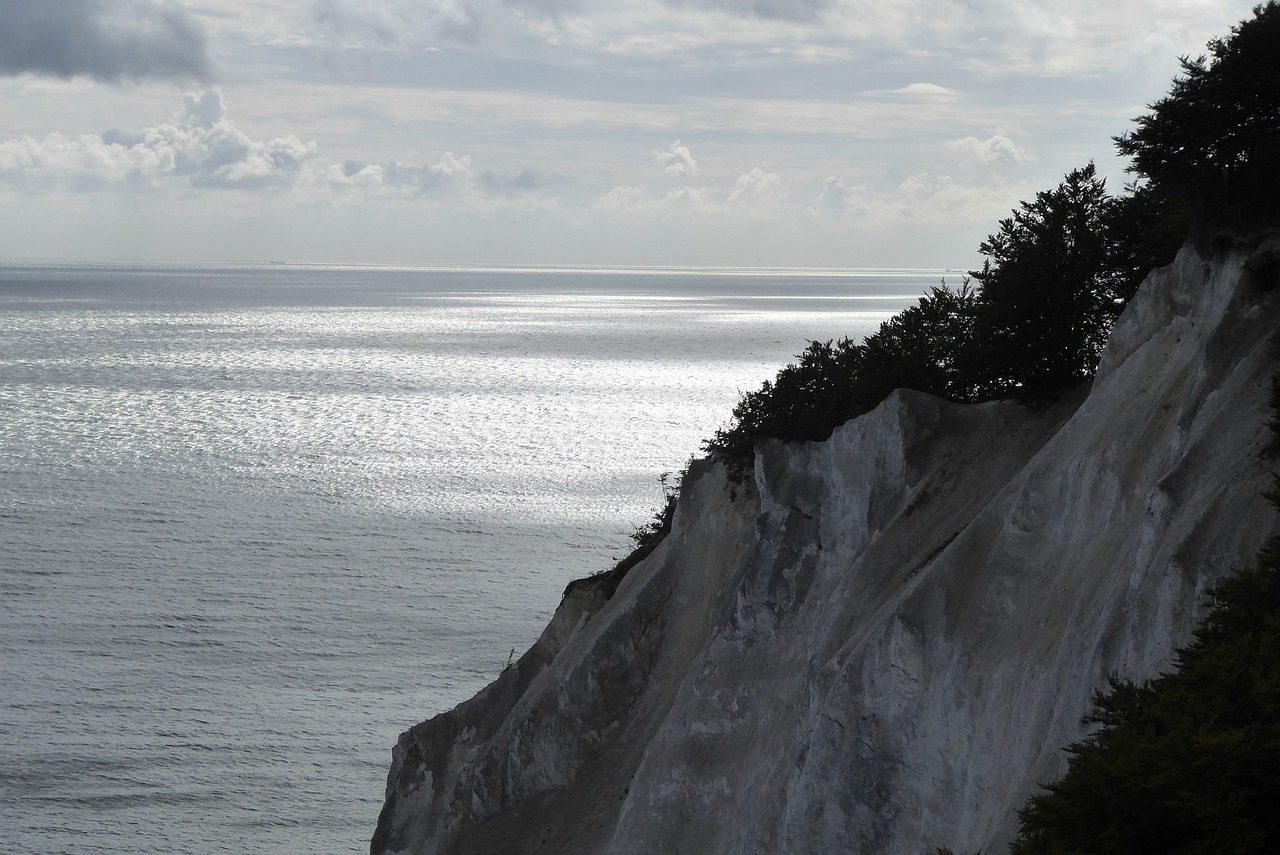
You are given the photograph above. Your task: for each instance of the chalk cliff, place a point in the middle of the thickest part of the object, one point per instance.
(882, 645)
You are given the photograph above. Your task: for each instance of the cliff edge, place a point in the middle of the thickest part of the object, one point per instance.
(883, 644)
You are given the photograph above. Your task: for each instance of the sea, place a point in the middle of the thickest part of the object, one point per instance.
(256, 520)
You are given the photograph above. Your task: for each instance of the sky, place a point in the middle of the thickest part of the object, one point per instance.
(740, 133)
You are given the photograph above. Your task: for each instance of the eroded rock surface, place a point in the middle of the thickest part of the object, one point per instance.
(882, 645)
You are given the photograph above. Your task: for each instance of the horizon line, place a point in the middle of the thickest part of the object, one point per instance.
(635, 269)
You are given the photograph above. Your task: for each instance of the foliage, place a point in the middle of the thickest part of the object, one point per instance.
(646, 539)
(806, 400)
(925, 347)
(920, 348)
(1058, 271)
(1052, 284)
(1055, 277)
(1189, 763)
(649, 535)
(1213, 144)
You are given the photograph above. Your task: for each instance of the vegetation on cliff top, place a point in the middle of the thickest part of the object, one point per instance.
(1055, 275)
(1189, 763)
(1211, 147)
(1031, 322)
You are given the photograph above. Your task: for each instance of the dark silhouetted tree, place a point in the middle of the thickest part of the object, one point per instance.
(1049, 293)
(1213, 144)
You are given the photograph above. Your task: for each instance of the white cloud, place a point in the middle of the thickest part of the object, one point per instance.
(201, 148)
(996, 150)
(398, 21)
(925, 197)
(202, 110)
(757, 190)
(631, 202)
(677, 161)
(786, 10)
(918, 90)
(755, 193)
(621, 199)
(835, 199)
(572, 109)
(407, 22)
(399, 179)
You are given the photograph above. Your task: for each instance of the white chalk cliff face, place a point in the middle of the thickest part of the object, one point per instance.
(883, 645)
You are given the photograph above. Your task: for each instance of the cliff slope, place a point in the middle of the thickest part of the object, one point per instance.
(882, 645)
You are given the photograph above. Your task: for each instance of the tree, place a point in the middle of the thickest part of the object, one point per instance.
(805, 401)
(1049, 292)
(1213, 144)
(924, 347)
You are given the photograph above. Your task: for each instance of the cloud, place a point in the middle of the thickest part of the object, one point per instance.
(395, 22)
(918, 90)
(622, 199)
(925, 197)
(834, 199)
(995, 150)
(390, 22)
(630, 203)
(107, 40)
(450, 179)
(523, 182)
(756, 189)
(783, 10)
(394, 178)
(202, 110)
(201, 148)
(756, 192)
(677, 161)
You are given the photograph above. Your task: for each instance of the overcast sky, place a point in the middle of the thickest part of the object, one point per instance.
(799, 133)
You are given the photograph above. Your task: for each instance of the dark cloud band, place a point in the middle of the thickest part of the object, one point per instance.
(108, 40)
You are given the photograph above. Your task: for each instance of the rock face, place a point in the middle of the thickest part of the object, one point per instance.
(882, 645)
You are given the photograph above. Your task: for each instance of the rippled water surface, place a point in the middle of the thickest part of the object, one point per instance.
(255, 521)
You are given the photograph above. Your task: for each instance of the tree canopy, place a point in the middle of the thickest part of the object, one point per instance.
(1057, 272)
(1048, 291)
(1054, 279)
(1213, 143)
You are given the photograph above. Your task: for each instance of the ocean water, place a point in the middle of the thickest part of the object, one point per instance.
(257, 520)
